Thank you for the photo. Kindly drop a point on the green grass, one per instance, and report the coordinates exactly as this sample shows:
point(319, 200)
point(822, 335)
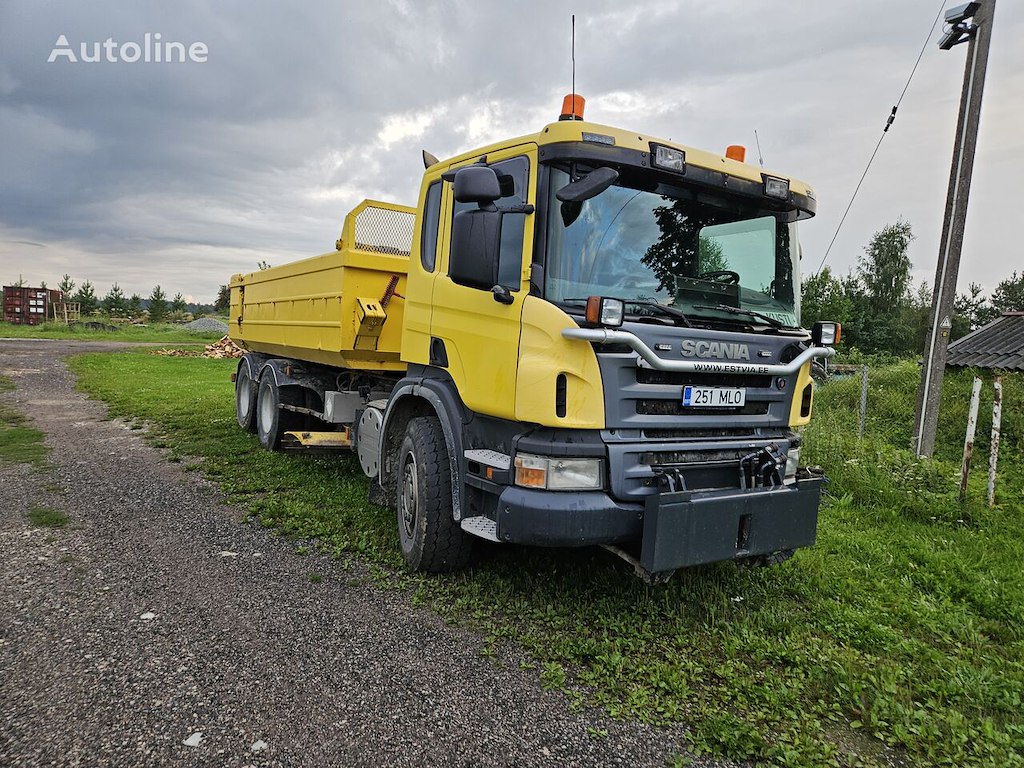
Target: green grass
point(164, 333)
point(47, 517)
point(19, 443)
point(898, 637)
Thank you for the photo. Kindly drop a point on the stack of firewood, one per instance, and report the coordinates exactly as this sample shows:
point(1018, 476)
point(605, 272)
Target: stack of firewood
point(223, 348)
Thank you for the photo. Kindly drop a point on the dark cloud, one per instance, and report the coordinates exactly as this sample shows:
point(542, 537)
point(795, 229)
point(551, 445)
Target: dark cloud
point(184, 173)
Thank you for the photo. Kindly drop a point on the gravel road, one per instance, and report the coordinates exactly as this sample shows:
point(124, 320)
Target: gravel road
point(156, 615)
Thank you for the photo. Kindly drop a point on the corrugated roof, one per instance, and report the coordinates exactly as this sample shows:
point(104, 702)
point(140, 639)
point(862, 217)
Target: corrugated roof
point(1000, 344)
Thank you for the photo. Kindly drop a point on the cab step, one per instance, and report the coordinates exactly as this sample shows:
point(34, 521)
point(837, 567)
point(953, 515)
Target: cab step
point(481, 526)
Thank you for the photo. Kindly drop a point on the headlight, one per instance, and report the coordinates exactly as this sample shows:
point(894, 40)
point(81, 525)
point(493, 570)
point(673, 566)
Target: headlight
point(826, 334)
point(559, 474)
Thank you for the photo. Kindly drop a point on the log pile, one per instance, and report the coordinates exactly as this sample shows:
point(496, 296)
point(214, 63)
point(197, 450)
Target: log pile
point(224, 348)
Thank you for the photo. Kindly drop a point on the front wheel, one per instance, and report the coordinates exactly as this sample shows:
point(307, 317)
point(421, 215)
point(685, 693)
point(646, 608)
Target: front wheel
point(430, 538)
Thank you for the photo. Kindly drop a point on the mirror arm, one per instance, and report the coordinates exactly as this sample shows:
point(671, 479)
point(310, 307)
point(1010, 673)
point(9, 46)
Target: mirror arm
point(527, 208)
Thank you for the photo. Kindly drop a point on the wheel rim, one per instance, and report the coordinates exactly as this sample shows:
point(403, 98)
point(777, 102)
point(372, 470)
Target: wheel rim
point(410, 495)
point(266, 409)
point(243, 396)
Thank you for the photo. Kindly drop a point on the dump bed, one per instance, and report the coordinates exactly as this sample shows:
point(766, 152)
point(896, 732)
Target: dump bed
point(340, 308)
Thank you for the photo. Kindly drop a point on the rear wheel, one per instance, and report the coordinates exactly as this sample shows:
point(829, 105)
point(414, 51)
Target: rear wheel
point(271, 421)
point(430, 538)
point(245, 399)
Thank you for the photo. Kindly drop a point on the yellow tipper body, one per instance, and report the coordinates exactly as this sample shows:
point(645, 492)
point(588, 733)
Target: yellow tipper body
point(343, 308)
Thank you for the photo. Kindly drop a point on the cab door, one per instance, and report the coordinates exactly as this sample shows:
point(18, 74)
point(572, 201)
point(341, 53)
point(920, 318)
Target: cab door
point(474, 336)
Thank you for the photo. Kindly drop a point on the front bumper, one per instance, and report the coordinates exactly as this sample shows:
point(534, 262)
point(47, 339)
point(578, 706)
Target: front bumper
point(695, 527)
point(673, 530)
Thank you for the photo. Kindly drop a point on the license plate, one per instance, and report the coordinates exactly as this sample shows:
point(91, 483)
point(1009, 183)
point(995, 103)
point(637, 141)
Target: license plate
point(714, 397)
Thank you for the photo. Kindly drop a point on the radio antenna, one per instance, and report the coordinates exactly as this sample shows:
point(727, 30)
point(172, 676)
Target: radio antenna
point(573, 54)
point(758, 142)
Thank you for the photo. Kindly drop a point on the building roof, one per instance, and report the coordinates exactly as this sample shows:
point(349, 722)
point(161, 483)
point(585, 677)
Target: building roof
point(1000, 344)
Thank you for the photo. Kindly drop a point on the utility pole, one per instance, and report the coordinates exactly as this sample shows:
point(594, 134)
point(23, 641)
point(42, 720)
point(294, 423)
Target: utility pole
point(978, 34)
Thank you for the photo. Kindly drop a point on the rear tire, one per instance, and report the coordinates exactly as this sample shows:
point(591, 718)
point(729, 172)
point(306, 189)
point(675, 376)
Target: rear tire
point(245, 399)
point(271, 421)
point(430, 538)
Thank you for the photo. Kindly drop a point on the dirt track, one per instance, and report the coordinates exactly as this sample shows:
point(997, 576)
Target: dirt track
point(242, 647)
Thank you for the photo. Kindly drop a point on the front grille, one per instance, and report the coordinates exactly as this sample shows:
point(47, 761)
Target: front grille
point(676, 408)
point(701, 434)
point(653, 376)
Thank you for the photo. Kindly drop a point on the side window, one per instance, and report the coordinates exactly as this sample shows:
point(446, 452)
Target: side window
point(431, 218)
point(514, 175)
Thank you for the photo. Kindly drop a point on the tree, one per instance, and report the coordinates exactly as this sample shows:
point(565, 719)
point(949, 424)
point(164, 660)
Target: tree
point(968, 311)
point(157, 305)
point(885, 267)
point(824, 298)
point(86, 299)
point(66, 286)
point(882, 317)
point(1007, 297)
point(178, 303)
point(134, 306)
point(223, 302)
point(114, 303)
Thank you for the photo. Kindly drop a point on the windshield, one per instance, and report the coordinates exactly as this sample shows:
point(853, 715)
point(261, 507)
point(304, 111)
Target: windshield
point(689, 250)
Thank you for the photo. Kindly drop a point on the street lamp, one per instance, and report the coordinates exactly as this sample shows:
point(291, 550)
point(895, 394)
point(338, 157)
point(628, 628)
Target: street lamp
point(960, 29)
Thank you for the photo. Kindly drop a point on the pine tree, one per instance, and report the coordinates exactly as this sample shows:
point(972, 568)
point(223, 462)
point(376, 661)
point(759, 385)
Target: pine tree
point(157, 305)
point(223, 303)
point(114, 303)
point(86, 299)
point(134, 306)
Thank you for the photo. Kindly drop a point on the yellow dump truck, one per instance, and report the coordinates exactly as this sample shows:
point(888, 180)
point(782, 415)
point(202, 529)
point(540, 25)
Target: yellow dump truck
point(583, 336)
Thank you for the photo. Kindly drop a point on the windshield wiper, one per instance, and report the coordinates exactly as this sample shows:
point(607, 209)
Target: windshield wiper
point(739, 311)
point(665, 310)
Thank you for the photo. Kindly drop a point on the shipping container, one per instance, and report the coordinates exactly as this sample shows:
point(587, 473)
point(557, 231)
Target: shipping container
point(29, 306)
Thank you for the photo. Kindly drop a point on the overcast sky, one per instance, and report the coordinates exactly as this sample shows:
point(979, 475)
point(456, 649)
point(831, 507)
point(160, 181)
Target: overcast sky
point(182, 174)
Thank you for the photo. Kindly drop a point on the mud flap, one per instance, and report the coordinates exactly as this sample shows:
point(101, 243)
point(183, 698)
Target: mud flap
point(687, 528)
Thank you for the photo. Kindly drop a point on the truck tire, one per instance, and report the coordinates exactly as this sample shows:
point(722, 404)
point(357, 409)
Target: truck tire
point(430, 538)
point(271, 421)
point(245, 399)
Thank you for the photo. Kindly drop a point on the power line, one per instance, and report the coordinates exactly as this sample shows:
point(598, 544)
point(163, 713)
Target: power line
point(888, 124)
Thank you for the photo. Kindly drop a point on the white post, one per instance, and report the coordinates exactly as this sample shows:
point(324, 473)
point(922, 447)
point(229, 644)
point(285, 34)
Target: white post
point(993, 457)
point(972, 425)
point(863, 400)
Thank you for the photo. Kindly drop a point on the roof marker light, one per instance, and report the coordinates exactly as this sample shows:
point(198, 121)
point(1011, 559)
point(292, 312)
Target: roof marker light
point(736, 152)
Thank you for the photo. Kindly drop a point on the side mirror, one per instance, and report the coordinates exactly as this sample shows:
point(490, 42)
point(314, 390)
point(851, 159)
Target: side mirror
point(477, 184)
point(476, 243)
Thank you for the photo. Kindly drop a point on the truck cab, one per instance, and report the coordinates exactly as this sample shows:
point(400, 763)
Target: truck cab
point(621, 329)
